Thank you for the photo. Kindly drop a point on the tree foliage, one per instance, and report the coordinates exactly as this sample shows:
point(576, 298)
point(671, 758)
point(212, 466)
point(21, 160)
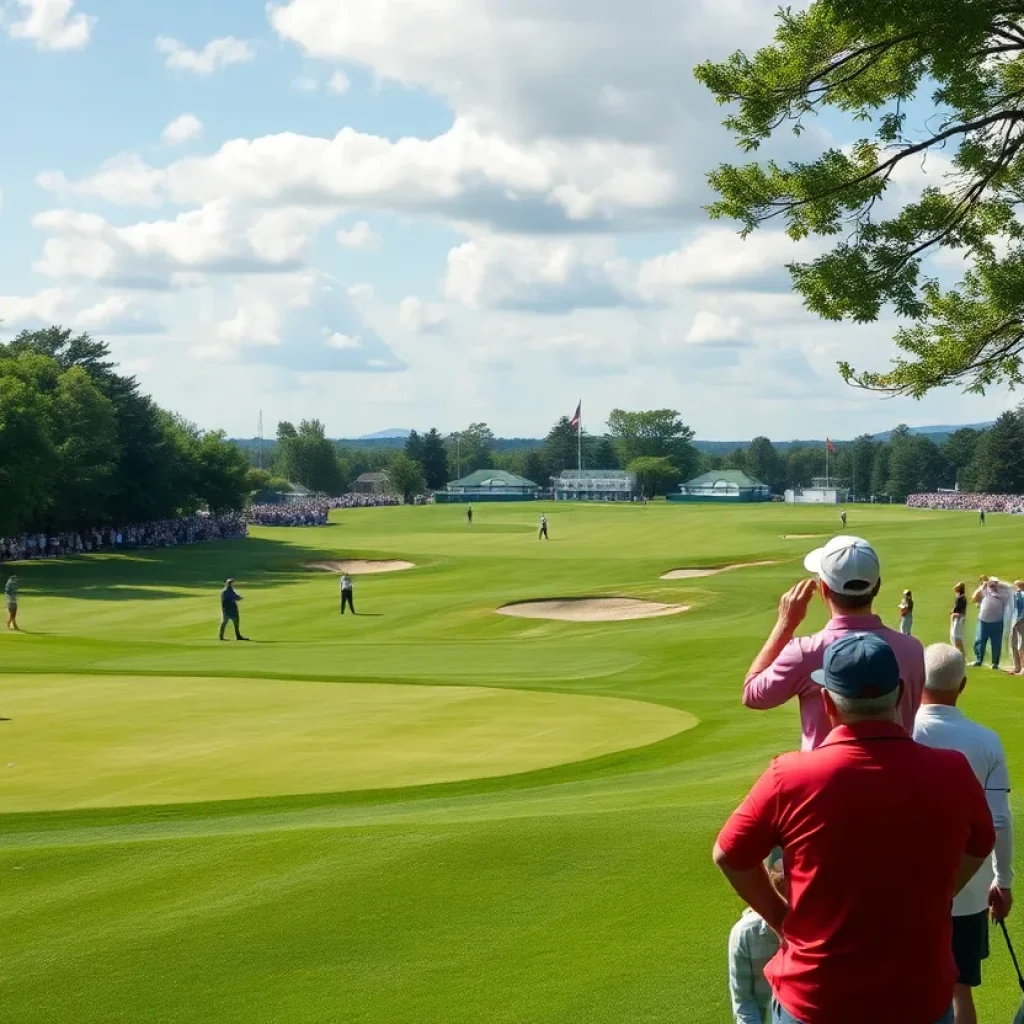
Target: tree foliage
point(655, 474)
point(306, 456)
point(81, 446)
point(406, 476)
point(657, 433)
point(875, 62)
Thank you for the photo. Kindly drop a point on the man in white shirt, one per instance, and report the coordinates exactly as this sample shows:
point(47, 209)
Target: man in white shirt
point(752, 943)
point(994, 599)
point(346, 593)
point(940, 723)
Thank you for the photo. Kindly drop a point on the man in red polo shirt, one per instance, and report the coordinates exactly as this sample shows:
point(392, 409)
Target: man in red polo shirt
point(878, 834)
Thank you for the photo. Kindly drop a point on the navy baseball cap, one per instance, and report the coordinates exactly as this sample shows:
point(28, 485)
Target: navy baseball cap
point(859, 666)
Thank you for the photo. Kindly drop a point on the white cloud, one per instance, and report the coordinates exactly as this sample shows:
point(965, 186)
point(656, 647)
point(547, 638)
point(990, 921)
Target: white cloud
point(217, 238)
point(339, 83)
point(117, 314)
point(343, 341)
point(362, 292)
point(305, 83)
point(467, 174)
point(215, 55)
point(183, 129)
point(125, 179)
point(43, 308)
point(537, 274)
point(720, 258)
point(709, 328)
point(51, 25)
point(359, 236)
point(419, 317)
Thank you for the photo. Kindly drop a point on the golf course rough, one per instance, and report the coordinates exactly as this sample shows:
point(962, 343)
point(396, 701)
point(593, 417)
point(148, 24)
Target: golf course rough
point(109, 741)
point(580, 893)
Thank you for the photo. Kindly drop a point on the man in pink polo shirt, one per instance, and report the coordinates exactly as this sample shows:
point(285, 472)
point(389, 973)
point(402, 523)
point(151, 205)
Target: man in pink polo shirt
point(848, 578)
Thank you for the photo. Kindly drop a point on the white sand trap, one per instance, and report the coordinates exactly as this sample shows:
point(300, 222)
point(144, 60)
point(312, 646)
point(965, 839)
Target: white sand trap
point(693, 574)
point(592, 609)
point(362, 566)
point(802, 536)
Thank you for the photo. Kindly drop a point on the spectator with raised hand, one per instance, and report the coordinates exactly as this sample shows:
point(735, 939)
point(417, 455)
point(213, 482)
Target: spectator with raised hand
point(941, 724)
point(958, 617)
point(849, 579)
point(993, 599)
point(878, 835)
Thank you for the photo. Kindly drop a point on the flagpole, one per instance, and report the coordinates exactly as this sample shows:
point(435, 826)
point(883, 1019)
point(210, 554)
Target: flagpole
point(579, 440)
point(827, 447)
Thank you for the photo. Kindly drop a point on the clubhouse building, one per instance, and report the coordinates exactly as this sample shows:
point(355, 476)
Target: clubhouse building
point(724, 486)
point(488, 485)
point(595, 485)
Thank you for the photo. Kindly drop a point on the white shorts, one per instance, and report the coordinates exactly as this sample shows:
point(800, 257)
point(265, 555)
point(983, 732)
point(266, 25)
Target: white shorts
point(956, 630)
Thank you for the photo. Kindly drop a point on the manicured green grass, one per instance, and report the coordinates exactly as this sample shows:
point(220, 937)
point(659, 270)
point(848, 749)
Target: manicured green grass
point(577, 892)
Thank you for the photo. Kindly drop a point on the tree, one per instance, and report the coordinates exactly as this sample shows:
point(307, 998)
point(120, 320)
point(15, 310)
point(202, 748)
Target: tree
point(764, 463)
point(658, 433)
point(406, 476)
point(257, 480)
point(414, 447)
point(656, 474)
point(805, 463)
point(998, 466)
point(880, 471)
point(28, 459)
point(959, 451)
point(434, 460)
point(560, 447)
point(470, 449)
point(601, 453)
point(876, 62)
point(308, 457)
point(87, 447)
point(862, 460)
point(536, 468)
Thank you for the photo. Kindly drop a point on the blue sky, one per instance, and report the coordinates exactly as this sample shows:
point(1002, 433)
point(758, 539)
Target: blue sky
point(411, 213)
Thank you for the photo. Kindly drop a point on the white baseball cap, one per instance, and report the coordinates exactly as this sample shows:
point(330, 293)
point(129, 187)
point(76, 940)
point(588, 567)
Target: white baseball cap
point(848, 565)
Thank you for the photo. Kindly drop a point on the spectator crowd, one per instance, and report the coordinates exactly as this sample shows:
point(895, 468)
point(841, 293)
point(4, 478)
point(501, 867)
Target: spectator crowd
point(364, 501)
point(872, 860)
point(957, 501)
point(162, 533)
point(300, 513)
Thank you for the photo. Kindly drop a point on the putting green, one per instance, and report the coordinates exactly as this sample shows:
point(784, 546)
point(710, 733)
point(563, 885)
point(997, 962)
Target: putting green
point(102, 741)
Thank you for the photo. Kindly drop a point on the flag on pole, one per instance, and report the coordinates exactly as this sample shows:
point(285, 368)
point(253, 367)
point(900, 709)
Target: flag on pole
point(577, 416)
point(830, 446)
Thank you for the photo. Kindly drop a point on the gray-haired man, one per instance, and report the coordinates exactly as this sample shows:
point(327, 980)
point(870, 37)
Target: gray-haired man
point(941, 724)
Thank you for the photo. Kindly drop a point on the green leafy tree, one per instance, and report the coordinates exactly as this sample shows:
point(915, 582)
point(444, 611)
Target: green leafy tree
point(434, 460)
point(414, 447)
point(880, 471)
point(28, 459)
point(535, 467)
point(876, 63)
point(306, 456)
point(959, 451)
point(861, 463)
point(601, 453)
point(470, 449)
point(258, 480)
point(655, 474)
point(88, 449)
point(805, 463)
point(221, 474)
point(998, 466)
point(765, 464)
point(657, 433)
point(560, 447)
point(406, 476)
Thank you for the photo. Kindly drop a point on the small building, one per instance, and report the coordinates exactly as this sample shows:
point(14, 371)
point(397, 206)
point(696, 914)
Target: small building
point(489, 485)
point(595, 485)
point(296, 495)
point(823, 491)
point(372, 483)
point(727, 486)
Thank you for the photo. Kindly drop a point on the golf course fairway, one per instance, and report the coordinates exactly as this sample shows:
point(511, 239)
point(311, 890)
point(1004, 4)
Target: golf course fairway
point(96, 741)
point(426, 813)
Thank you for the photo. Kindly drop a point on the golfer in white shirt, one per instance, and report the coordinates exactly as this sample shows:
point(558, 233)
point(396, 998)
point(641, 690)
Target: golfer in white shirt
point(940, 723)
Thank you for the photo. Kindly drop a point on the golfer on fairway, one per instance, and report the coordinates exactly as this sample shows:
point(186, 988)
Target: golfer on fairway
point(346, 593)
point(229, 609)
point(11, 600)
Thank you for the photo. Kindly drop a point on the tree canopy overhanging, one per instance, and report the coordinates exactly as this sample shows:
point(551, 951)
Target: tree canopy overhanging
point(879, 62)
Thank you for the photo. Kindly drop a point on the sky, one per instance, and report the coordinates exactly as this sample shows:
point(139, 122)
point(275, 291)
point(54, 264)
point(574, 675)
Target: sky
point(415, 213)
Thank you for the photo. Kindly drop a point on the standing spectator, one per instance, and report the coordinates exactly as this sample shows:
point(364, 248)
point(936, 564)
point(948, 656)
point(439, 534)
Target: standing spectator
point(982, 517)
point(993, 598)
point(958, 617)
point(878, 834)
point(469, 515)
point(346, 593)
point(543, 535)
point(849, 579)
point(907, 614)
point(842, 518)
point(229, 609)
point(752, 944)
point(11, 600)
point(1017, 628)
point(941, 724)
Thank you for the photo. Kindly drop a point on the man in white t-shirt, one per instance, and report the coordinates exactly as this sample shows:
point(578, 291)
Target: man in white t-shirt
point(940, 723)
point(994, 600)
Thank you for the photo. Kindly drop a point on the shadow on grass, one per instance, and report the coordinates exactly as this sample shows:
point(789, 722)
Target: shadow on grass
point(160, 574)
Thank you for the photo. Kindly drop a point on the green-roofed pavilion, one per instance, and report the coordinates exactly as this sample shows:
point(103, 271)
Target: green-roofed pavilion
point(728, 486)
point(489, 485)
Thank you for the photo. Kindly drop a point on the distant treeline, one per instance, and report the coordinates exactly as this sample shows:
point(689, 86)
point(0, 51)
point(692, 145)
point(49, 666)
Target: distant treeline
point(661, 449)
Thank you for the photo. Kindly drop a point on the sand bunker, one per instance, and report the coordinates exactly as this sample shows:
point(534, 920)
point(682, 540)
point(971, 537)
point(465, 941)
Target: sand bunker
point(591, 609)
point(361, 566)
point(692, 574)
point(802, 536)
